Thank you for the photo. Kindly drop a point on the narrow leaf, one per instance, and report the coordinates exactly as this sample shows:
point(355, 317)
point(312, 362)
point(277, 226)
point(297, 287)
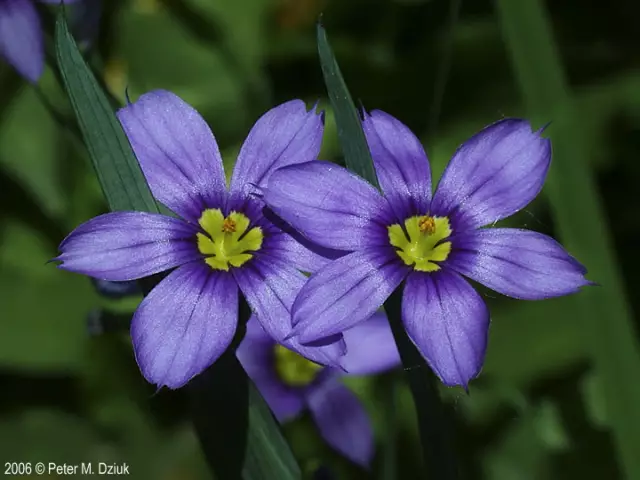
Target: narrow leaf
point(119, 174)
point(352, 140)
point(435, 431)
point(239, 435)
point(580, 219)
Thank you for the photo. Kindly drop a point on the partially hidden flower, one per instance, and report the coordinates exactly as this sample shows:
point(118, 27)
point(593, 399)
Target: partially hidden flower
point(21, 39)
point(291, 384)
point(222, 239)
point(430, 242)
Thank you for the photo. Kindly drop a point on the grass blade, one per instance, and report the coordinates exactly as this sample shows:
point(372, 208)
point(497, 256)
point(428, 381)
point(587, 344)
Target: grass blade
point(580, 220)
point(115, 164)
point(241, 439)
point(237, 431)
point(435, 434)
point(352, 140)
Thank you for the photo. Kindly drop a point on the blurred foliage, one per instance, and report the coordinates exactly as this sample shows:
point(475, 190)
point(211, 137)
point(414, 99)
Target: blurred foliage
point(536, 410)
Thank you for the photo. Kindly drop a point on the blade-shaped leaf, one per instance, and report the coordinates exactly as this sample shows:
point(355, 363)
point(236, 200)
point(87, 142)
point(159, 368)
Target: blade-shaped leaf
point(435, 431)
point(120, 176)
point(241, 439)
point(352, 140)
point(581, 220)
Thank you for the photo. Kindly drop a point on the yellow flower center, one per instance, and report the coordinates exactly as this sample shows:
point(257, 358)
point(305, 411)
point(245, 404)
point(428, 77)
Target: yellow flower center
point(227, 241)
point(424, 245)
point(293, 369)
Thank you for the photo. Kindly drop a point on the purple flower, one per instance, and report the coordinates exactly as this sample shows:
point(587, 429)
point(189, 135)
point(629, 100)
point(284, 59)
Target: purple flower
point(429, 241)
point(221, 241)
point(21, 42)
point(290, 383)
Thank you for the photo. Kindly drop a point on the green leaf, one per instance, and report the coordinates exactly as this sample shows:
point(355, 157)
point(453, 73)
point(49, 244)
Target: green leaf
point(249, 443)
point(352, 140)
point(435, 431)
point(236, 429)
point(119, 174)
point(604, 311)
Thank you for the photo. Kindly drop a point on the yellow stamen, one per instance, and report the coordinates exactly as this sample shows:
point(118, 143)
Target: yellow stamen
point(294, 370)
point(226, 243)
point(427, 225)
point(228, 225)
point(424, 245)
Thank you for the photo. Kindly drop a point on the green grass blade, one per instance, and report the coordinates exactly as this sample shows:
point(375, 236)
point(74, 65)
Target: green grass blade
point(580, 220)
point(241, 439)
point(352, 140)
point(435, 432)
point(119, 174)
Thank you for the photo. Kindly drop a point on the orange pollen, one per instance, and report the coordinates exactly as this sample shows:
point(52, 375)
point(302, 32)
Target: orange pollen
point(427, 225)
point(228, 225)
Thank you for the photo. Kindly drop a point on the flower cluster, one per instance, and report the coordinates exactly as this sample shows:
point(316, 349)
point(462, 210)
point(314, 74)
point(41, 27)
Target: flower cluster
point(285, 212)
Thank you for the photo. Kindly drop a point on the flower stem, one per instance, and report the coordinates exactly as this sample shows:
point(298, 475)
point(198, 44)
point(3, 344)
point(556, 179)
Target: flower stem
point(239, 436)
point(436, 435)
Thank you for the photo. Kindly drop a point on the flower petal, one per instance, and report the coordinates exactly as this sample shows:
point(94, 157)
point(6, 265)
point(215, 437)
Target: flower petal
point(401, 164)
point(21, 42)
point(285, 135)
point(329, 205)
point(300, 252)
point(256, 356)
point(346, 292)
point(371, 347)
point(122, 246)
point(448, 322)
point(177, 153)
point(270, 287)
point(494, 174)
point(185, 323)
point(518, 263)
point(342, 421)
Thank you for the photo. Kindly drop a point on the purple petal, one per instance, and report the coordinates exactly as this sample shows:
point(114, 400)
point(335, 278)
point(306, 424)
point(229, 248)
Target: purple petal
point(58, 2)
point(177, 153)
point(21, 42)
point(518, 263)
point(448, 322)
point(342, 421)
point(124, 246)
point(401, 164)
point(285, 135)
point(329, 205)
point(346, 292)
point(288, 244)
point(494, 174)
point(185, 323)
point(299, 253)
point(371, 347)
point(256, 356)
point(270, 287)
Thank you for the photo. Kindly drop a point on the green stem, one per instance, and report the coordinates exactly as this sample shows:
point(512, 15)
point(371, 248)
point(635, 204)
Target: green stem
point(581, 221)
point(239, 435)
point(436, 434)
